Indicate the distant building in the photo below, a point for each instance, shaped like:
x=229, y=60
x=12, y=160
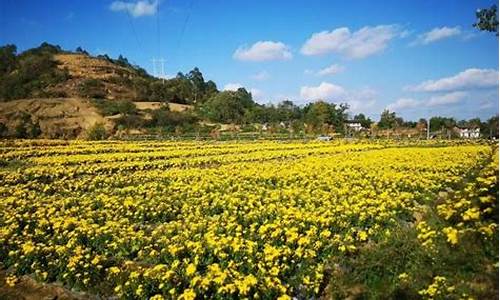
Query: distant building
x=468, y=133
x=324, y=138
x=354, y=125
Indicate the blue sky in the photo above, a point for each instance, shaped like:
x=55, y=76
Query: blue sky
x=418, y=58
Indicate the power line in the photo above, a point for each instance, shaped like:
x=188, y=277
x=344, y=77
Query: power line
x=133, y=30
x=184, y=26
x=158, y=38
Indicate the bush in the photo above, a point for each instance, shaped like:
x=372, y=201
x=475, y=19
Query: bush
x=114, y=107
x=97, y=132
x=3, y=130
x=20, y=131
x=129, y=121
x=92, y=88
x=170, y=119
x=30, y=73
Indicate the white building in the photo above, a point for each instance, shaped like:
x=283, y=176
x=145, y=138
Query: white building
x=354, y=125
x=468, y=133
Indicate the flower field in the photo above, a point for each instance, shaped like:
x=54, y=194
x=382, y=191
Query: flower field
x=265, y=219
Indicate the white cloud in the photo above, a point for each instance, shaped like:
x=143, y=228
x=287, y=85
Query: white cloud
x=436, y=34
x=331, y=70
x=261, y=76
x=256, y=94
x=136, y=9
x=359, y=44
x=262, y=51
x=486, y=104
x=324, y=91
x=439, y=100
x=232, y=86
x=466, y=80
x=449, y=98
x=403, y=103
x=362, y=99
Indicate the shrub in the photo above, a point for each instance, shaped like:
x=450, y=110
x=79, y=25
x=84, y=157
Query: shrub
x=3, y=130
x=97, y=132
x=114, y=107
x=91, y=88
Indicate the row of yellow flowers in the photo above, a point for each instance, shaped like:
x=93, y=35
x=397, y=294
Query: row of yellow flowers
x=192, y=219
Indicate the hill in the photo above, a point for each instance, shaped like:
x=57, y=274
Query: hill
x=55, y=118
x=110, y=80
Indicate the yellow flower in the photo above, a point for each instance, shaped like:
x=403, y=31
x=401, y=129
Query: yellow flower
x=188, y=294
x=451, y=235
x=191, y=269
x=363, y=236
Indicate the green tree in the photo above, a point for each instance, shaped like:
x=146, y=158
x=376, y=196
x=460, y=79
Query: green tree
x=491, y=128
x=3, y=130
x=7, y=59
x=198, y=84
x=322, y=113
x=363, y=120
x=97, y=132
x=487, y=19
x=442, y=123
x=228, y=106
x=389, y=120
x=81, y=51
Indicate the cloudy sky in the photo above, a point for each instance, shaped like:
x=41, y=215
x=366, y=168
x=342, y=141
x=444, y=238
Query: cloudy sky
x=417, y=58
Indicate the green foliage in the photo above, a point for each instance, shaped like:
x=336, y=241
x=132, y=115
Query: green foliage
x=34, y=130
x=81, y=51
x=141, y=88
x=322, y=113
x=114, y=107
x=20, y=131
x=228, y=106
x=30, y=73
x=363, y=120
x=389, y=120
x=441, y=123
x=169, y=120
x=92, y=88
x=97, y=132
x=3, y=130
x=7, y=59
x=25, y=128
x=487, y=19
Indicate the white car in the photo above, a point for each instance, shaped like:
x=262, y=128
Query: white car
x=325, y=138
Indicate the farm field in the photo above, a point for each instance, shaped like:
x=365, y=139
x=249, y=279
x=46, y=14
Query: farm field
x=264, y=219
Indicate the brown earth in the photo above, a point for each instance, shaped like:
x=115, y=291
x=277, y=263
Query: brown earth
x=156, y=105
x=58, y=118
x=66, y=117
x=28, y=289
x=82, y=67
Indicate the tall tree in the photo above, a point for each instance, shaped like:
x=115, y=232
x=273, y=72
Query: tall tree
x=363, y=120
x=7, y=59
x=228, y=106
x=487, y=19
x=389, y=120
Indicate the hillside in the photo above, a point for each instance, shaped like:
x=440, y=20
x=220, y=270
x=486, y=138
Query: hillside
x=69, y=117
x=56, y=118
x=83, y=69
x=53, y=93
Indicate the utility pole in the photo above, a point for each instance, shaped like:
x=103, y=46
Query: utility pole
x=429, y=128
x=162, y=61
